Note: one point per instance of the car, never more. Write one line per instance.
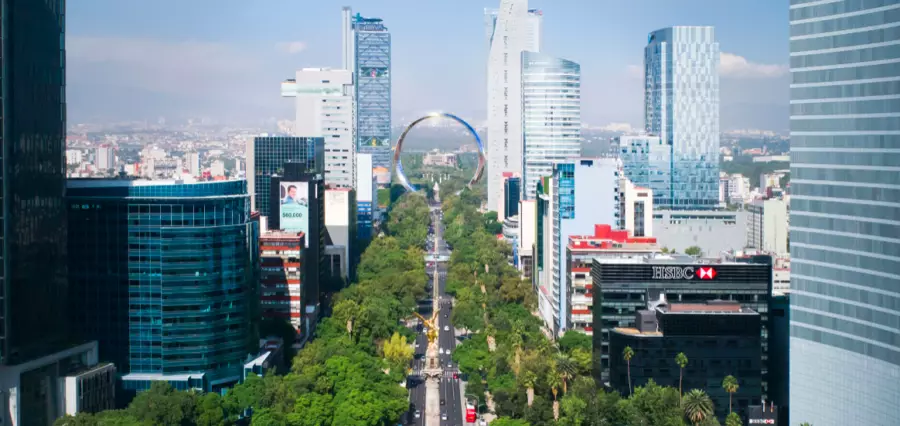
(482, 422)
(418, 414)
(449, 365)
(443, 416)
(446, 328)
(441, 351)
(443, 402)
(447, 352)
(455, 376)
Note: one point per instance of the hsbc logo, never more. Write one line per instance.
(683, 273)
(706, 273)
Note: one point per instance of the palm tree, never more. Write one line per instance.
(730, 384)
(697, 406)
(529, 379)
(682, 360)
(517, 341)
(627, 353)
(733, 419)
(554, 380)
(567, 369)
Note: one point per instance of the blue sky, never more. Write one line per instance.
(226, 58)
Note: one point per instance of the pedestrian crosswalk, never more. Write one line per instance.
(446, 373)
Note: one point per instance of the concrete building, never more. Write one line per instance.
(581, 251)
(767, 228)
(217, 168)
(282, 279)
(74, 157)
(713, 231)
(526, 239)
(366, 194)
(325, 108)
(105, 158)
(439, 159)
(636, 209)
(511, 29)
(580, 193)
(340, 223)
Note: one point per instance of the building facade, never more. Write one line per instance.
(163, 275)
(366, 194)
(282, 280)
(367, 52)
(622, 287)
(647, 163)
(267, 155)
(324, 108)
(767, 228)
(681, 100)
(636, 209)
(551, 115)
(512, 194)
(340, 223)
(714, 232)
(845, 255)
(511, 29)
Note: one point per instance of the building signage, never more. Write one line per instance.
(762, 421)
(683, 273)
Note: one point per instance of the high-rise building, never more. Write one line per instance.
(636, 209)
(646, 162)
(580, 193)
(324, 109)
(511, 29)
(767, 228)
(551, 115)
(367, 52)
(512, 195)
(192, 163)
(163, 275)
(366, 193)
(267, 155)
(845, 216)
(282, 280)
(340, 223)
(681, 100)
(105, 158)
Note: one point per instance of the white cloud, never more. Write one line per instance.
(731, 65)
(292, 47)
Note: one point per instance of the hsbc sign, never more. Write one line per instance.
(683, 273)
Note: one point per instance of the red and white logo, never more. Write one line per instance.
(706, 273)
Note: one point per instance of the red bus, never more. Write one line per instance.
(470, 413)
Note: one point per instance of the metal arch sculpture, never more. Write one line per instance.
(398, 164)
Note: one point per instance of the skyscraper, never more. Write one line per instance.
(845, 216)
(681, 101)
(511, 30)
(324, 109)
(267, 155)
(551, 115)
(367, 52)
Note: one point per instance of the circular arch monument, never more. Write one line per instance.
(398, 163)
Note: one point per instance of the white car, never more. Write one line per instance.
(443, 416)
(419, 414)
(441, 351)
(446, 328)
(447, 351)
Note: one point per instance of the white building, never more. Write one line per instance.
(366, 194)
(511, 29)
(636, 211)
(105, 158)
(324, 108)
(74, 157)
(525, 241)
(339, 222)
(192, 163)
(551, 115)
(767, 228)
(217, 168)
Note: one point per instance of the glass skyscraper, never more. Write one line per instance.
(845, 212)
(551, 115)
(646, 163)
(371, 57)
(267, 155)
(33, 281)
(164, 276)
(681, 100)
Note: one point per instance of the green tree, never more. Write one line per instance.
(733, 419)
(211, 411)
(583, 360)
(697, 406)
(567, 369)
(529, 379)
(554, 381)
(574, 340)
(730, 384)
(682, 360)
(397, 351)
(163, 405)
(312, 409)
(468, 315)
(652, 404)
(344, 312)
(506, 421)
(627, 354)
(693, 251)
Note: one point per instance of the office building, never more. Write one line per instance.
(91, 389)
(282, 280)
(512, 194)
(625, 286)
(719, 338)
(141, 253)
(526, 239)
(646, 162)
(845, 306)
(298, 205)
(767, 228)
(604, 242)
(267, 155)
(551, 115)
(581, 193)
(636, 209)
(367, 52)
(105, 158)
(325, 109)
(192, 163)
(681, 100)
(341, 243)
(366, 194)
(511, 30)
(217, 169)
(714, 232)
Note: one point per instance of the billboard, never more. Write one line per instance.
(294, 208)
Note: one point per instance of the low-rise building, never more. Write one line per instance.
(281, 279)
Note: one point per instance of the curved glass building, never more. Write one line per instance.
(845, 212)
(551, 115)
(163, 276)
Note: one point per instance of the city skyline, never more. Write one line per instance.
(178, 65)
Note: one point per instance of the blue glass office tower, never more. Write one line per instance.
(163, 273)
(845, 212)
(681, 101)
(268, 154)
(512, 194)
(372, 64)
(646, 162)
(551, 115)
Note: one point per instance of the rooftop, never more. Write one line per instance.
(711, 307)
(124, 183)
(667, 259)
(605, 238)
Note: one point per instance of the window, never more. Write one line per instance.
(505, 76)
(505, 110)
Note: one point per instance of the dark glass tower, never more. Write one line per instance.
(32, 136)
(267, 156)
(164, 275)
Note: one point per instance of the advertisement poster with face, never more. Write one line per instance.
(294, 214)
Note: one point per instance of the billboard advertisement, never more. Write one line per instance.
(294, 209)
